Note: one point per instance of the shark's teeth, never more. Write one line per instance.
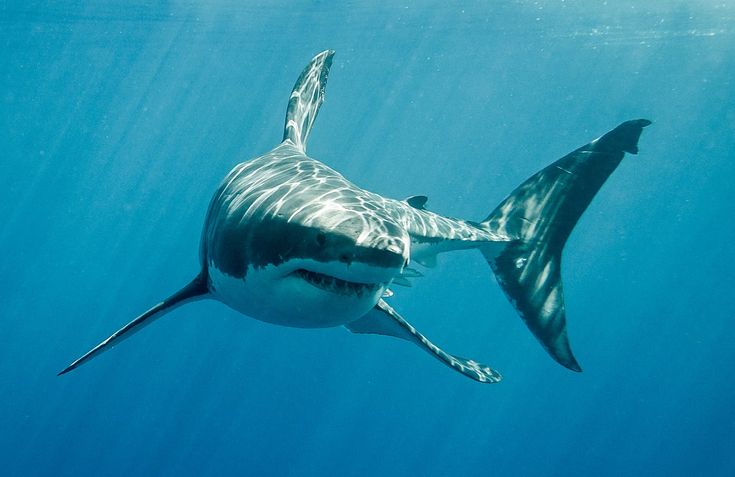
(336, 285)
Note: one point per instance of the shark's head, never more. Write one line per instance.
(289, 240)
(340, 272)
(307, 270)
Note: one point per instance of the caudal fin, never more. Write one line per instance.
(540, 214)
(194, 290)
(306, 98)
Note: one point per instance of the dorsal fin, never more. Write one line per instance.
(417, 201)
(306, 97)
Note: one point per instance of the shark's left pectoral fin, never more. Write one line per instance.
(384, 320)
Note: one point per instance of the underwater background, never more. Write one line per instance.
(119, 119)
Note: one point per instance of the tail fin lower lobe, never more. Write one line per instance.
(541, 214)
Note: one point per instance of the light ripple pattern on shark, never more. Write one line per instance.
(290, 241)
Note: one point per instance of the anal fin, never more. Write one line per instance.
(384, 320)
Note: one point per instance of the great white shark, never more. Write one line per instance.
(290, 241)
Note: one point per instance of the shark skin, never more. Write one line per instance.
(290, 241)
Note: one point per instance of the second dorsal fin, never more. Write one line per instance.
(306, 97)
(417, 201)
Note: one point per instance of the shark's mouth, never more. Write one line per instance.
(336, 285)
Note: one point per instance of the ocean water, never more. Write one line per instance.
(118, 120)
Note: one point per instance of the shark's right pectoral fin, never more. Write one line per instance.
(195, 290)
(384, 320)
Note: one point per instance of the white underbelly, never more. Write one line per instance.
(276, 296)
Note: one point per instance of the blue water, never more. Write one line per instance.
(118, 120)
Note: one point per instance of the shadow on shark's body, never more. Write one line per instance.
(290, 241)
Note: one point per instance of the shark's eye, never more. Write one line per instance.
(321, 239)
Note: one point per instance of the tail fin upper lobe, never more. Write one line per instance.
(541, 214)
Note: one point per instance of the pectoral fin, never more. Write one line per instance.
(384, 320)
(195, 290)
